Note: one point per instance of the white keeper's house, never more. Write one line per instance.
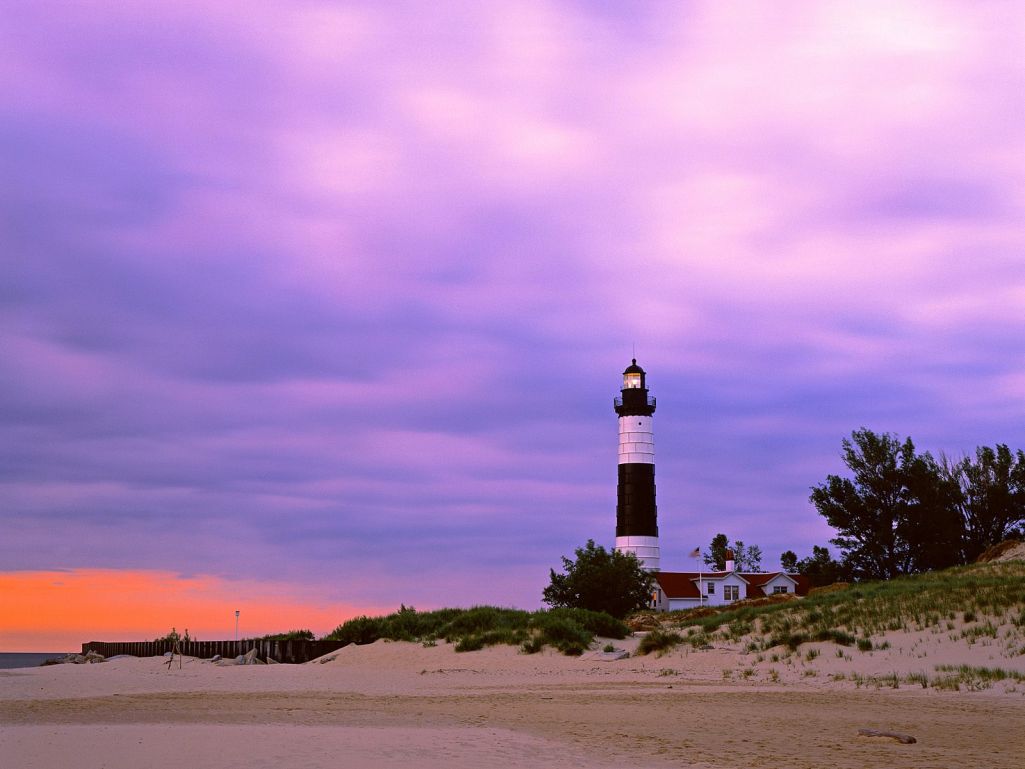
(689, 589)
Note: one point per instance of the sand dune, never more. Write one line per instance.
(400, 704)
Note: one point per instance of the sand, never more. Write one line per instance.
(399, 704)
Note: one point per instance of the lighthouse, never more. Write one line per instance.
(636, 523)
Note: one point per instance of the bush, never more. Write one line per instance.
(562, 633)
(358, 630)
(568, 630)
(291, 635)
(475, 641)
(533, 645)
(480, 619)
(600, 580)
(595, 622)
(836, 636)
(660, 641)
(790, 640)
(404, 625)
(470, 643)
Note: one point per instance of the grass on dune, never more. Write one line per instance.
(949, 677)
(571, 631)
(979, 593)
(977, 603)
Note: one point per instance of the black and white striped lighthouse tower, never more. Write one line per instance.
(636, 523)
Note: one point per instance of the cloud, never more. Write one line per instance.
(355, 284)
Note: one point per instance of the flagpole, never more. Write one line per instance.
(696, 554)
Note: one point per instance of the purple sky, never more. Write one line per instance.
(339, 295)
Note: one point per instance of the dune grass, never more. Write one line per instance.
(659, 642)
(571, 631)
(985, 602)
(990, 594)
(950, 678)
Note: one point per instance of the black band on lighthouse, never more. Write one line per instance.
(635, 501)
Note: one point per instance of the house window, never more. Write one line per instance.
(711, 588)
(731, 592)
(780, 589)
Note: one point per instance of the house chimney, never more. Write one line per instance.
(730, 564)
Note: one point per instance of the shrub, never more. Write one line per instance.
(561, 632)
(790, 640)
(660, 641)
(836, 636)
(404, 625)
(475, 641)
(291, 635)
(569, 630)
(533, 645)
(480, 619)
(359, 630)
(470, 643)
(600, 580)
(595, 622)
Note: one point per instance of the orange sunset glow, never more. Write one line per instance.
(59, 610)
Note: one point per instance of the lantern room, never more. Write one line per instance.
(633, 377)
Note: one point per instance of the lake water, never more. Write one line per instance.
(26, 659)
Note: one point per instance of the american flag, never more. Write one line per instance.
(696, 552)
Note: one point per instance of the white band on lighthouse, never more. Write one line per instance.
(636, 442)
(645, 548)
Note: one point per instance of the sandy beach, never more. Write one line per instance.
(394, 704)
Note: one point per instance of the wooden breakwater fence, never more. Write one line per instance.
(293, 651)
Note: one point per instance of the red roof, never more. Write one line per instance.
(803, 583)
(683, 584)
(678, 584)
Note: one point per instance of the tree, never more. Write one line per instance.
(990, 501)
(931, 527)
(904, 512)
(748, 559)
(900, 514)
(788, 561)
(600, 580)
(871, 511)
(820, 568)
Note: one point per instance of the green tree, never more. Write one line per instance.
(867, 510)
(600, 580)
(931, 526)
(990, 497)
(747, 559)
(788, 561)
(904, 512)
(897, 515)
(820, 568)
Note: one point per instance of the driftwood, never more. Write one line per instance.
(907, 739)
